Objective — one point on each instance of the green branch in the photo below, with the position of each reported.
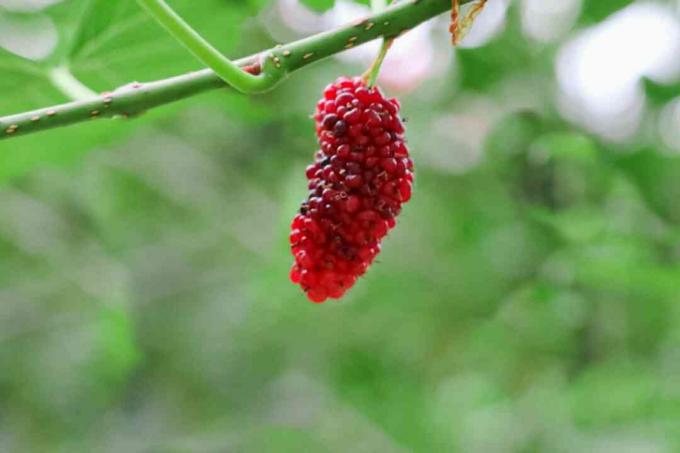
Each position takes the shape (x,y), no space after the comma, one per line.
(136,98)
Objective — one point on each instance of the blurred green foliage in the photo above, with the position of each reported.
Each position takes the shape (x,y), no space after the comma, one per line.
(527,301)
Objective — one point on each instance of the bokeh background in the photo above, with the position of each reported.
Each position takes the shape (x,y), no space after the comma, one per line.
(528,301)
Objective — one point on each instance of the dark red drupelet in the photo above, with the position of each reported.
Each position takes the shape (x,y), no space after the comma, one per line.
(360,177)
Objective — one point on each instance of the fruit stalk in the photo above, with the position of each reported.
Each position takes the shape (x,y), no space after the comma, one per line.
(371,75)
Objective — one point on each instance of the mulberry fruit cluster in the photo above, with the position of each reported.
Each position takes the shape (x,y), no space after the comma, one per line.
(358,182)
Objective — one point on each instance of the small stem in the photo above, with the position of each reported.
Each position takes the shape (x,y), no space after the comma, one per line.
(62,79)
(227,70)
(371,74)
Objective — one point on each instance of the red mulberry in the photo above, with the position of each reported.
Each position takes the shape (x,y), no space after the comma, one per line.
(360,177)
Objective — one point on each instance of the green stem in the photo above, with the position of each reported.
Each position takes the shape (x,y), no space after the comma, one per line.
(372,73)
(227,70)
(136,98)
(62,79)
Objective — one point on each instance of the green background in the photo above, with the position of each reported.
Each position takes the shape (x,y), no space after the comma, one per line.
(521,304)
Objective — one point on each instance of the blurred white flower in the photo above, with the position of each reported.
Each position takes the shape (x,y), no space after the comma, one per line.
(299,18)
(411,59)
(599,71)
(548,20)
(414,57)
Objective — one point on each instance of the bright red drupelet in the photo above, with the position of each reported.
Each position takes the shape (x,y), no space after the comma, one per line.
(360,177)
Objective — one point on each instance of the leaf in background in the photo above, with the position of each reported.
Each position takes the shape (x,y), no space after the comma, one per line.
(597,11)
(23,85)
(658,179)
(99,17)
(319,5)
(24,40)
(116,348)
(107,44)
(31,44)
(513,134)
(660,93)
(508,54)
(117,42)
